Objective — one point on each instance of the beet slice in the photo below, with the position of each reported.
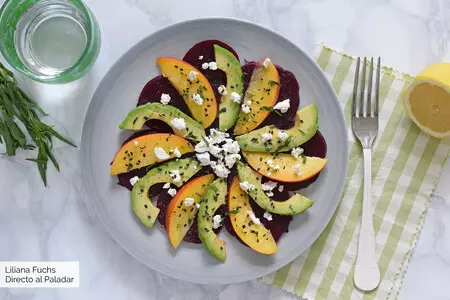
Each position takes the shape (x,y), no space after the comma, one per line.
(289,89)
(206,49)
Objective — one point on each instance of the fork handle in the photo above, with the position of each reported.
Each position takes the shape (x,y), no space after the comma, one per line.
(367,273)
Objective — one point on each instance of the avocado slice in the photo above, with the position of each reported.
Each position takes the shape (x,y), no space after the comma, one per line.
(228,109)
(305,127)
(293,206)
(213,199)
(141,203)
(137,117)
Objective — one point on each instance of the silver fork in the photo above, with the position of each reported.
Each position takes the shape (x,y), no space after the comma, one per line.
(365,128)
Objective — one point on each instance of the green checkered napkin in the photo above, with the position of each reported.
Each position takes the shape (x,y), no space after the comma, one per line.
(406,164)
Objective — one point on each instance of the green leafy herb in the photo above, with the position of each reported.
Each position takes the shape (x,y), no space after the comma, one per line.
(232,212)
(273,82)
(205,140)
(16,106)
(268,108)
(304,158)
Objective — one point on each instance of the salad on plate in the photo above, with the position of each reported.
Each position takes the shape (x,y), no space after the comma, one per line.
(219,144)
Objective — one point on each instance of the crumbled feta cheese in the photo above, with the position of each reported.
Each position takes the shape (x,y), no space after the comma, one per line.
(194,167)
(200,57)
(296,152)
(231,147)
(165,98)
(175,174)
(280,188)
(136,143)
(177,152)
(160,153)
(217,136)
(249,102)
(205,66)
(178,123)
(297,170)
(268,216)
(166,186)
(266,137)
(217,221)
(253,217)
(283,106)
(133,180)
(222,90)
(189,201)
(245,109)
(192,75)
(216,151)
(213,65)
(282,135)
(246,186)
(266,62)
(269,174)
(235,97)
(204,158)
(198,205)
(221,170)
(201,147)
(270,163)
(268,186)
(230,160)
(276,167)
(198,99)
(172,192)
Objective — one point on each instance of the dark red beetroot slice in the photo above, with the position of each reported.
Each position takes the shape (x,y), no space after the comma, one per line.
(206,49)
(289,89)
(192,234)
(152,93)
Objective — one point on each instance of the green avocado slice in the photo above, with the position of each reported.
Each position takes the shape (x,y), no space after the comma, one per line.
(137,117)
(293,206)
(305,127)
(214,198)
(141,203)
(228,109)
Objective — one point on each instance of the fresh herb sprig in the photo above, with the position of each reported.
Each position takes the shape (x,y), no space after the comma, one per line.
(271,109)
(15,106)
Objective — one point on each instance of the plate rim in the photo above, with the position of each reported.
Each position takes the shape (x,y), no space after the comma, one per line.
(281,262)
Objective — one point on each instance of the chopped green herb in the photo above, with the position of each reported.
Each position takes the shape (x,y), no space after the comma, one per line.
(273,82)
(268,108)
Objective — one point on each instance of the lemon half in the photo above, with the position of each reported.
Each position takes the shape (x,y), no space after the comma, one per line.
(427,100)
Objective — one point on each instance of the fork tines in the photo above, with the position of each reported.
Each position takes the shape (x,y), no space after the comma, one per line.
(362,107)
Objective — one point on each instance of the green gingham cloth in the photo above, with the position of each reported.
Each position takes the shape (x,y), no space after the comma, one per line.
(405,167)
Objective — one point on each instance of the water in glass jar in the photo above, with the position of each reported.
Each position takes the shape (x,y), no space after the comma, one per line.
(51,37)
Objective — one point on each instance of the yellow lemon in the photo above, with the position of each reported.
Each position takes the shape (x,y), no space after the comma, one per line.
(427,100)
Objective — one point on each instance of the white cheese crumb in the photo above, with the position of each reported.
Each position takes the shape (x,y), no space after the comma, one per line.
(172,192)
(213,65)
(235,97)
(133,180)
(204,158)
(280,188)
(217,221)
(198,99)
(194,167)
(178,123)
(160,153)
(221,170)
(177,152)
(282,135)
(267,216)
(231,147)
(296,152)
(166,186)
(249,102)
(217,136)
(175,174)
(216,151)
(230,160)
(192,75)
(165,98)
(266,62)
(222,90)
(136,143)
(205,66)
(189,201)
(200,57)
(266,137)
(253,217)
(201,147)
(198,205)
(245,109)
(283,106)
(268,186)
(297,170)
(246,186)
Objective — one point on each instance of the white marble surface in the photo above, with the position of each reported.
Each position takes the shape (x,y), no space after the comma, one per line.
(57,223)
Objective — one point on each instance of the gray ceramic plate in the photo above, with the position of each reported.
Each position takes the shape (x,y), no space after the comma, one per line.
(118,93)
